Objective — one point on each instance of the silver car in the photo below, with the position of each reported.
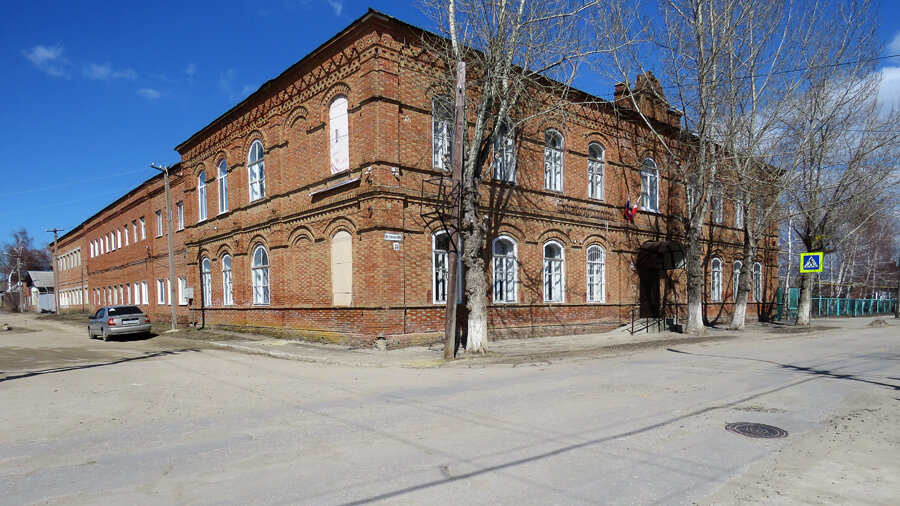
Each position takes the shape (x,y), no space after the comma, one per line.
(114,321)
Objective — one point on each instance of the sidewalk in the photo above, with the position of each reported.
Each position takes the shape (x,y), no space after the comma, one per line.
(511,351)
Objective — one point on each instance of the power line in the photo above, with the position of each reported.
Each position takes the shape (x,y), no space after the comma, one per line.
(63,185)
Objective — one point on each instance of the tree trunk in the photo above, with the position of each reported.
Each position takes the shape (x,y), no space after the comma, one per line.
(695,283)
(804,309)
(745,284)
(473,243)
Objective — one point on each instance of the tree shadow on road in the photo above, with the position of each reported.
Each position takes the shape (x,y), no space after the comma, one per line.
(145,356)
(825,373)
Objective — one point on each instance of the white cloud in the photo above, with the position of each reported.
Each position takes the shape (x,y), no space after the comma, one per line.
(190,70)
(337,6)
(889,89)
(227,86)
(106,72)
(47,59)
(149,93)
(893,46)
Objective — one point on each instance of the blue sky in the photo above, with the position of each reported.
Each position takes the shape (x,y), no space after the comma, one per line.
(93,92)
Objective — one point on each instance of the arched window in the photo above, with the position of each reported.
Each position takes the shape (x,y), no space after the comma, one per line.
(440,247)
(342,268)
(260,275)
(553,161)
(596,274)
(339,126)
(596,156)
(715,280)
(206,282)
(553,272)
(201,196)
(505,270)
(222,179)
(256,169)
(739,209)
(650,185)
(442,131)
(504,154)
(736,281)
(227,297)
(757,292)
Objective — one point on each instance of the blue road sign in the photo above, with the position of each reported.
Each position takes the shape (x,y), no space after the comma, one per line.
(812,262)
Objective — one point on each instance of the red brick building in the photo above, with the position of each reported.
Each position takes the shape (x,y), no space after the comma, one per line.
(304,210)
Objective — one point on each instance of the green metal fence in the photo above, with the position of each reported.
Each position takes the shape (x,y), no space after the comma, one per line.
(833,306)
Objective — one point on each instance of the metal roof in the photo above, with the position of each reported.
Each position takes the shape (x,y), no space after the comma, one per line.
(42,279)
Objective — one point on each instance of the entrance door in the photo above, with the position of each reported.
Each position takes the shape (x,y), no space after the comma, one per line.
(649,296)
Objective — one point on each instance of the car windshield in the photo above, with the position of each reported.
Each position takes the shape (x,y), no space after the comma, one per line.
(123,310)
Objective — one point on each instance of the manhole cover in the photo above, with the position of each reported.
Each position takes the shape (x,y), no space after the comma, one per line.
(756,430)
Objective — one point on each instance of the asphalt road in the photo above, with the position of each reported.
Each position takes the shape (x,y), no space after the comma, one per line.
(172,421)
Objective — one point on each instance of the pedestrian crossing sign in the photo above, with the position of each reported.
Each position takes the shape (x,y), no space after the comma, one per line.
(811,262)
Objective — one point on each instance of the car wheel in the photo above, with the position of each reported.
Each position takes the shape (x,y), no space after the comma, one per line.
(103,335)
(90,334)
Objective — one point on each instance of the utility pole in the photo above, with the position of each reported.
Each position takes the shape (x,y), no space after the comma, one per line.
(55,266)
(171,236)
(456,184)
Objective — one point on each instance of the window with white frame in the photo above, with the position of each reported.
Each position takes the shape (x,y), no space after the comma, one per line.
(553,161)
(596,156)
(145,293)
(260,275)
(440,256)
(650,185)
(256,169)
(137,293)
(168,292)
(206,282)
(504,154)
(227,298)
(757,292)
(161,291)
(179,208)
(715,203)
(106,243)
(128,293)
(596,274)
(222,180)
(134,232)
(553,272)
(201,195)
(736,278)
(442,131)
(182,292)
(159,224)
(339,129)
(125,233)
(506,272)
(739,209)
(143,229)
(715,280)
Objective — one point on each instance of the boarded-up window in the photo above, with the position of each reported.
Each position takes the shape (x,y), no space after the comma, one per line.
(340,134)
(342,268)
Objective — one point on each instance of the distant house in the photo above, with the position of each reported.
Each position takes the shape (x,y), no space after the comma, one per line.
(40,298)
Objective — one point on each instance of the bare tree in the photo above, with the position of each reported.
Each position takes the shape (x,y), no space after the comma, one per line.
(520,57)
(720,60)
(836,142)
(21,249)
